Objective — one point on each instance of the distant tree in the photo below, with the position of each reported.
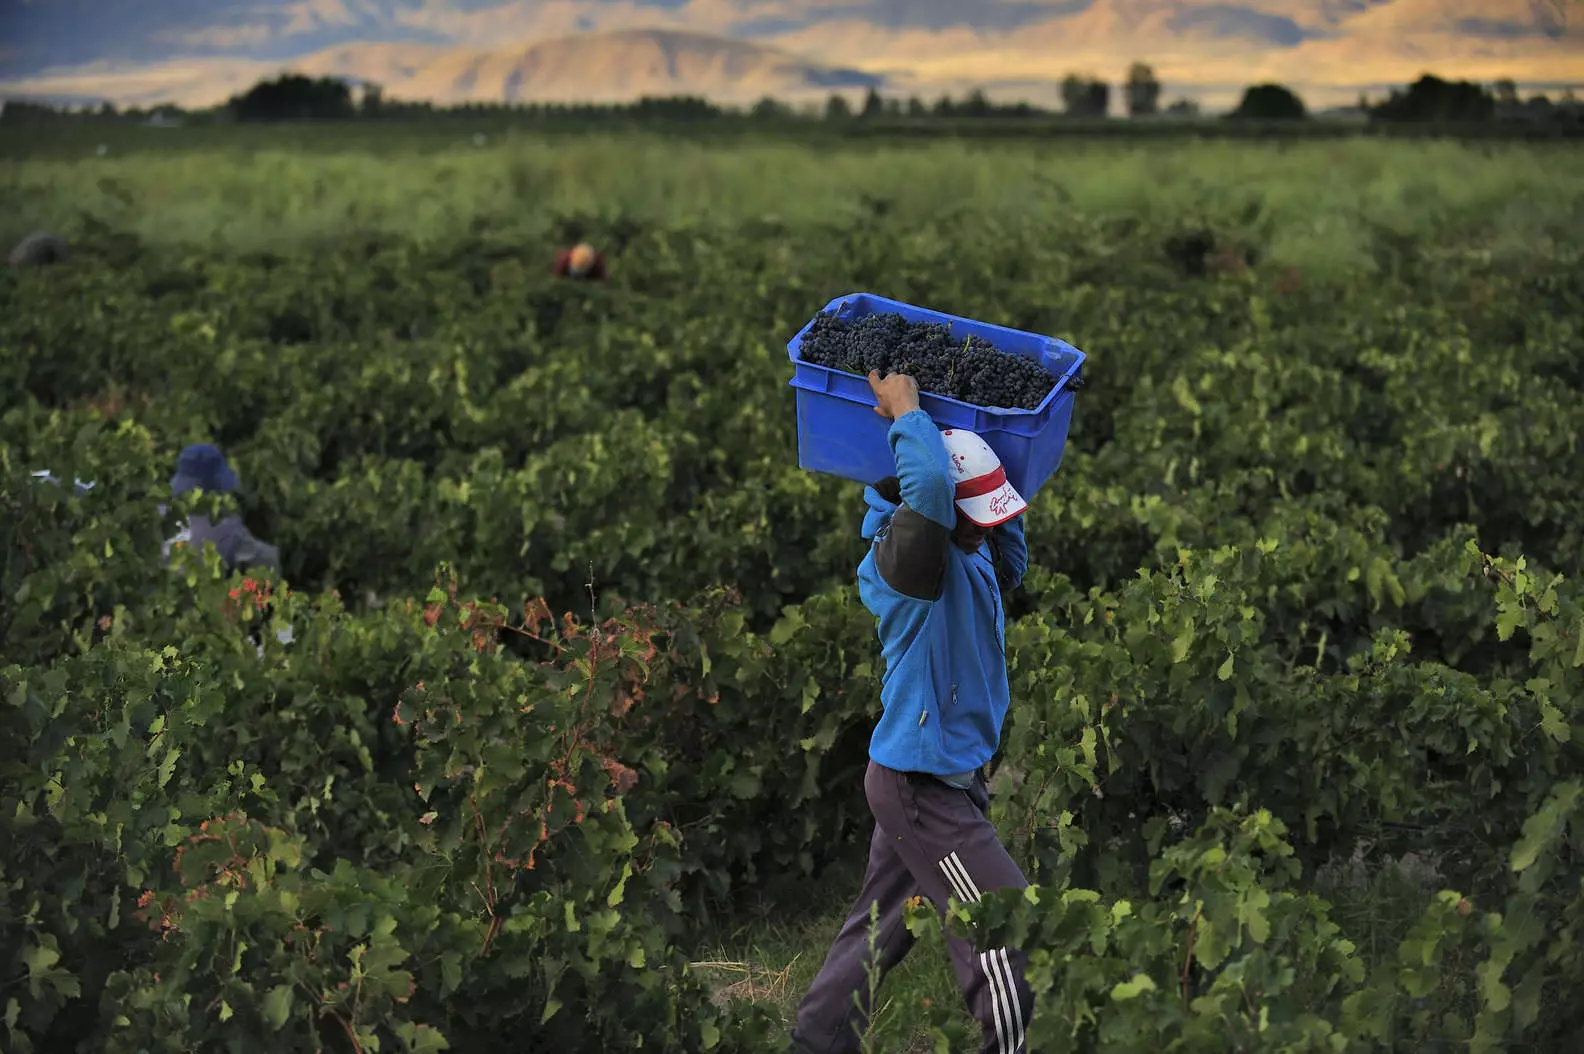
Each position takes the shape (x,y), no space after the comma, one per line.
(873,105)
(1270,102)
(1072,93)
(1433,99)
(1506,92)
(893,107)
(944,107)
(916,107)
(1143,91)
(768,109)
(837,108)
(25,111)
(675,108)
(1183,108)
(294,97)
(372,100)
(1099,98)
(1085,96)
(976,105)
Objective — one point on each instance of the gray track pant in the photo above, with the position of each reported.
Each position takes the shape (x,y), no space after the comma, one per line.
(934,841)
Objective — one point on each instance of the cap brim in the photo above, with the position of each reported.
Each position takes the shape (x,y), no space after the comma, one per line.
(995,508)
(181,484)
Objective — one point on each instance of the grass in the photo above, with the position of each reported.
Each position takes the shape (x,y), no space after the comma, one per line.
(773,952)
(774,966)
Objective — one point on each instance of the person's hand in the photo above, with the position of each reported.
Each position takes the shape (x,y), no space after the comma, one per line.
(895,395)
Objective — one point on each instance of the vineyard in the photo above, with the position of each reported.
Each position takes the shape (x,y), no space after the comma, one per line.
(565,751)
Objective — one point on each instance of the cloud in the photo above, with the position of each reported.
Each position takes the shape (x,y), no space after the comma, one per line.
(1502,30)
(768,20)
(219,38)
(837,79)
(946,14)
(1227,21)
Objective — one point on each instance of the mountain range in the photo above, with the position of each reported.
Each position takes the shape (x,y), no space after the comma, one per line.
(198,52)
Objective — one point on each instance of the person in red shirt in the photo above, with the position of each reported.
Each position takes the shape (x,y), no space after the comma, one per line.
(582,262)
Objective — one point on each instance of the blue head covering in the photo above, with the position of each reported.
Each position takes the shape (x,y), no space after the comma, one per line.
(202,465)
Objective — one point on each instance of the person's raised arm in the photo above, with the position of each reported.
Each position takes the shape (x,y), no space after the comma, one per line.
(1011,549)
(912,549)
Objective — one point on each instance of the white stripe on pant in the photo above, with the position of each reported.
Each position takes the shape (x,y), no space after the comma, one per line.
(997,968)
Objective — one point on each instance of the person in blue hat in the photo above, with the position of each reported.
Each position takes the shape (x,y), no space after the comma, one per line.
(203,467)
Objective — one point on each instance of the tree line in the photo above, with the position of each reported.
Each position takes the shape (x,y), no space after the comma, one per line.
(294,97)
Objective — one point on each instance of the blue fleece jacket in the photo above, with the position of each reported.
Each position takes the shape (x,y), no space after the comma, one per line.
(941,624)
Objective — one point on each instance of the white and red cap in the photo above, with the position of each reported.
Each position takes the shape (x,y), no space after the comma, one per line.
(983,493)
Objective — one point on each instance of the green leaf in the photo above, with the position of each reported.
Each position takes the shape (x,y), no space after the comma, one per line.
(1497,996)
(552,1004)
(1254,917)
(40,957)
(786,627)
(1526,998)
(167,766)
(1552,723)
(1182,642)
(1541,830)
(1225,672)
(1134,988)
(278,1006)
(615,896)
(450,972)
(1510,618)
(421,1039)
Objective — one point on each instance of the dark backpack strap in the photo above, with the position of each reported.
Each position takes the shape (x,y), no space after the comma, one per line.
(995,558)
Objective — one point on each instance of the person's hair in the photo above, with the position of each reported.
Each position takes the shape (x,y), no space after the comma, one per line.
(890,489)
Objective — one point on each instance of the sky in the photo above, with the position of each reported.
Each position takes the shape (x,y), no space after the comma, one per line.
(131,49)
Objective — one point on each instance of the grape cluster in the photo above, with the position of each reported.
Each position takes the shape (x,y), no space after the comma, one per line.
(968,369)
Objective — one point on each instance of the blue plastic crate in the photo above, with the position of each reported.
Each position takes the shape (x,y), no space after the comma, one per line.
(839,432)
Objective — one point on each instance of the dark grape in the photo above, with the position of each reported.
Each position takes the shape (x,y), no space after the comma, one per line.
(968,369)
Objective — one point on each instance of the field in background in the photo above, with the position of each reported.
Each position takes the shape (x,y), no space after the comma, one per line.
(1319,373)
(1330,208)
